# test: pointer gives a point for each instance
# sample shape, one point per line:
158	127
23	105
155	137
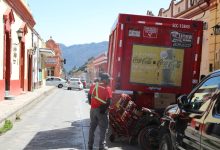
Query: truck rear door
159	58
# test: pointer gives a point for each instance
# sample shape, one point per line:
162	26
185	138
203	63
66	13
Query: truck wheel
148	138
165	143
112	138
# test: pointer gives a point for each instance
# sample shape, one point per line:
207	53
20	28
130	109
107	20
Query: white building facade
16	56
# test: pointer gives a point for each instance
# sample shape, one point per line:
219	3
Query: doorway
29	72
7	61
22	64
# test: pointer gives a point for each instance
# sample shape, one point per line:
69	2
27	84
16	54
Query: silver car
74	83
56	81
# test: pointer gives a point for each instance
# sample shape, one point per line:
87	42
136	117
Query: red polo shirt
104	92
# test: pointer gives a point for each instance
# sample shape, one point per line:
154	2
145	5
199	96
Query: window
74	79
178	9
192	2
49	79
210	67
213	127
200	99
52	72
216	110
56	79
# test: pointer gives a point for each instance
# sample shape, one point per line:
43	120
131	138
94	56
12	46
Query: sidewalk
10	109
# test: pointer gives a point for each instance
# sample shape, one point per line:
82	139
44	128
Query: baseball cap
105	76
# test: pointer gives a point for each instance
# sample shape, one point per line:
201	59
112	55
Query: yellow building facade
208	12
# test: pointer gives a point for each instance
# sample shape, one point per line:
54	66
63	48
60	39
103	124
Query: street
60	121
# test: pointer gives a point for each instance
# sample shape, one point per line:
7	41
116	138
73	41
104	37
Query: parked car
74	83
55	81
84	83
194	122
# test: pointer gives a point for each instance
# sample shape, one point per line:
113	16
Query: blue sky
85	21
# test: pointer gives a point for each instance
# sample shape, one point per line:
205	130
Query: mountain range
77	55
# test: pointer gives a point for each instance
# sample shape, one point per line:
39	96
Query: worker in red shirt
99	96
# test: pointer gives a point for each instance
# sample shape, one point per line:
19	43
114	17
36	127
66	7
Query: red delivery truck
152	59
148	56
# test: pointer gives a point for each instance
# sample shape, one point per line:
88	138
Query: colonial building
39	58
23	53
96	66
90	70
54	64
208	12
100	64
16	48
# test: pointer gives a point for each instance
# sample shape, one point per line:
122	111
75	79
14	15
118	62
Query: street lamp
20	34
32	50
216	29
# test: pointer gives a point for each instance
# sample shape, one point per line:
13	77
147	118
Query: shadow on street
74	137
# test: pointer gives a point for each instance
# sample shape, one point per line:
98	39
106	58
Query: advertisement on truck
159	66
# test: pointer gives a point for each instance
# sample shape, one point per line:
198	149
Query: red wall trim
8	15
22	11
15	87
8	19
2	89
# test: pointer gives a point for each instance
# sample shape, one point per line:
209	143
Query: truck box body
155	54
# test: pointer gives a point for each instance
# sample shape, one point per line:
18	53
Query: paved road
60	121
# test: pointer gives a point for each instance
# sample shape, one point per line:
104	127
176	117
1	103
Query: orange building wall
51	44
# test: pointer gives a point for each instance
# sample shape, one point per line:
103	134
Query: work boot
89	147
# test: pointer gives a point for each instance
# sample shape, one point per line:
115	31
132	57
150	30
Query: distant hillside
77	55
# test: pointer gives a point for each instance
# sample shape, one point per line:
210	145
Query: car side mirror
182	101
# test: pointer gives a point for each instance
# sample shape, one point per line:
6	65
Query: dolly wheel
112	138
132	140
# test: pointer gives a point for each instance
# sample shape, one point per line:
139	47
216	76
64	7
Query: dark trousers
101	120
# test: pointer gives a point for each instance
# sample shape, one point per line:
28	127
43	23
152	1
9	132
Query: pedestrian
99	96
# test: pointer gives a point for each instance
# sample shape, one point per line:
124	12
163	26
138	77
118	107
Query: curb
16	113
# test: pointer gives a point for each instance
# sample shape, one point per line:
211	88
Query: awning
47	52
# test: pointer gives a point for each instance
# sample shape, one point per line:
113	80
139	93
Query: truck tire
165	143
112	138
148	138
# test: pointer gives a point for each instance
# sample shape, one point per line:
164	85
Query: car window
216	110
200	99
50	79
56	79
213	126
74	79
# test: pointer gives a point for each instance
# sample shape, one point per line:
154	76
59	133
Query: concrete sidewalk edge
32	99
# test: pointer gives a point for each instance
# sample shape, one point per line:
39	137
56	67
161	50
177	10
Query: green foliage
7	126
